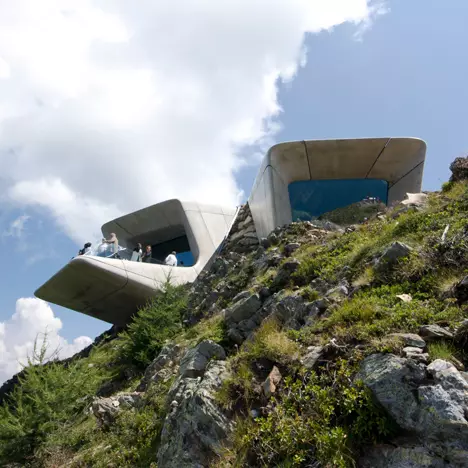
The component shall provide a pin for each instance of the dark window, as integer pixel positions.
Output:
(312, 198)
(180, 245)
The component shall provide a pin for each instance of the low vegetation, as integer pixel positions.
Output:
(320, 416)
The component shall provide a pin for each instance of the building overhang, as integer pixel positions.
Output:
(113, 289)
(399, 161)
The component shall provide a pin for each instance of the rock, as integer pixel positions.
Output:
(196, 429)
(292, 311)
(339, 292)
(194, 362)
(412, 350)
(290, 248)
(409, 339)
(406, 456)
(284, 273)
(419, 357)
(432, 409)
(105, 409)
(434, 332)
(460, 291)
(243, 309)
(241, 295)
(405, 297)
(392, 381)
(264, 293)
(291, 265)
(415, 199)
(313, 355)
(235, 336)
(160, 368)
(396, 251)
(264, 242)
(271, 382)
(459, 168)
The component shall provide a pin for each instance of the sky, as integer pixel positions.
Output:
(106, 108)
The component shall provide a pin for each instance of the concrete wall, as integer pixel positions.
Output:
(399, 161)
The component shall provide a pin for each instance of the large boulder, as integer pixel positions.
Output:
(195, 428)
(459, 168)
(243, 309)
(429, 403)
(194, 362)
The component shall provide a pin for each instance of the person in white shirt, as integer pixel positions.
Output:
(171, 259)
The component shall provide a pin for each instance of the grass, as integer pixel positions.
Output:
(441, 350)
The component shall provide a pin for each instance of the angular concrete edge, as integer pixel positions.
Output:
(399, 161)
(112, 290)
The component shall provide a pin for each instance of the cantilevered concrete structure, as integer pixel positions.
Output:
(317, 175)
(397, 161)
(112, 289)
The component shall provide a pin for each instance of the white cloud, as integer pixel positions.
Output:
(106, 107)
(16, 227)
(32, 319)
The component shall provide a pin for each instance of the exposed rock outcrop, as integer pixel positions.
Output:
(195, 427)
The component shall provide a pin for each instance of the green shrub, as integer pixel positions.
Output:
(153, 325)
(45, 399)
(322, 418)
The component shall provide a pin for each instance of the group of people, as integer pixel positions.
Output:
(145, 256)
(138, 254)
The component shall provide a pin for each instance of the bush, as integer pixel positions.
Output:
(45, 399)
(153, 325)
(324, 418)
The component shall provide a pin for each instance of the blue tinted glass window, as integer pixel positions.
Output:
(311, 198)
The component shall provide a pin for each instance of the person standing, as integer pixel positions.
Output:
(114, 243)
(146, 257)
(171, 259)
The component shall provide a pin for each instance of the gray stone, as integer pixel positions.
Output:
(241, 295)
(195, 360)
(291, 265)
(434, 332)
(419, 357)
(168, 357)
(291, 247)
(434, 409)
(409, 339)
(396, 251)
(314, 353)
(271, 382)
(235, 336)
(391, 456)
(264, 293)
(393, 380)
(105, 411)
(243, 309)
(412, 350)
(196, 428)
(339, 292)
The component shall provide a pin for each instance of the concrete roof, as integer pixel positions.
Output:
(399, 161)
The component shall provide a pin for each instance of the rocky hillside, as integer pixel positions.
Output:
(327, 345)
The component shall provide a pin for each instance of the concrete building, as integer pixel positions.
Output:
(112, 289)
(297, 180)
(312, 177)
